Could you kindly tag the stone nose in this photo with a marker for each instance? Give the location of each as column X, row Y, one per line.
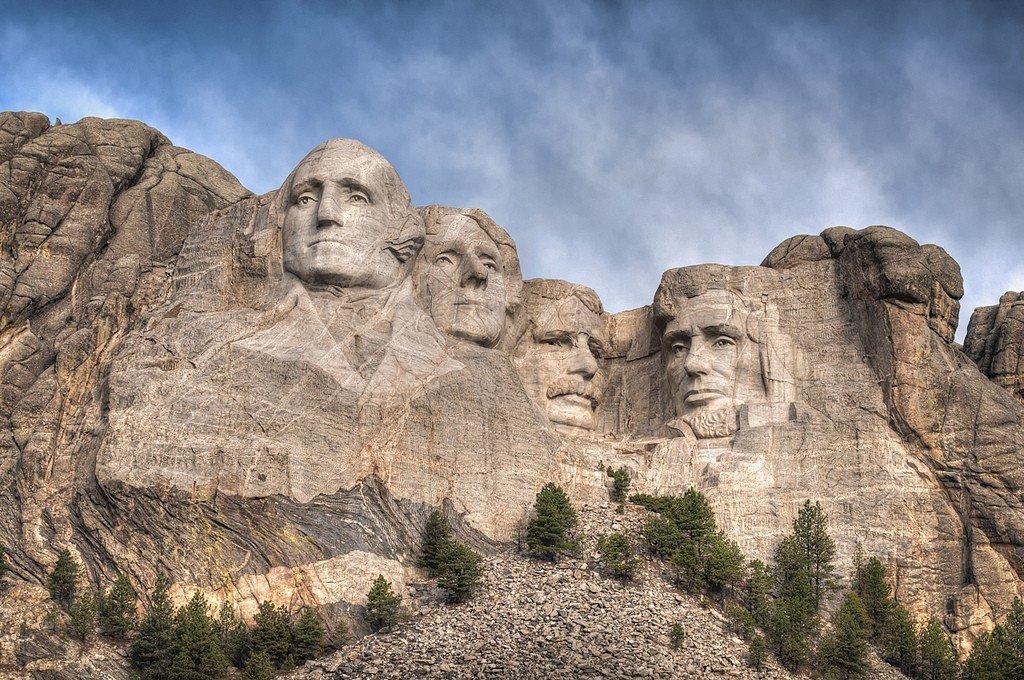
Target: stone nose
column 582, row 361
column 696, row 363
column 474, row 274
column 331, row 210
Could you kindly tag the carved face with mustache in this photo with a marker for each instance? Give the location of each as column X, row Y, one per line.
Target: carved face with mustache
column 557, row 356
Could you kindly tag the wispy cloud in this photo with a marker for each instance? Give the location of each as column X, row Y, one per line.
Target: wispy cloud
column 612, row 140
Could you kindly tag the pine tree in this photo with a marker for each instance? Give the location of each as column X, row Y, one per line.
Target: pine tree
column 662, row 537
column 259, row 667
column 870, row 585
column 3, row 561
column 83, row 616
column 810, row 531
column 757, row 590
column 999, row 655
column 197, row 652
column 616, row 554
column 758, row 652
column 233, row 635
column 382, row 604
column 436, row 533
column 842, row 655
column 677, row 634
column 150, row 652
column 271, row 632
column 936, row 660
column 117, row 614
column 620, row 484
column 723, row 565
column 308, row 636
column 897, row 643
column 62, row 582
column 791, row 622
column 546, row 534
column 460, row 570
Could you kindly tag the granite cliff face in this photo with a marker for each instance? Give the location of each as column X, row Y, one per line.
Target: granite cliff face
column 266, row 396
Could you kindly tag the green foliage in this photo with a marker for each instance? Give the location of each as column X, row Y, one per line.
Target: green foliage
column 83, row 616
column 897, row 643
column 936, row 659
column 62, row 582
column 842, row 654
column 436, row 533
column 616, row 554
column 337, row 637
column 117, row 614
column 620, row 484
column 150, row 652
column 658, row 504
column 233, row 635
column 271, row 632
column 382, row 604
column 741, row 622
column 818, row 550
column 661, row 536
column 3, row 561
column 758, row 652
column 460, row 570
column 790, row 623
column 999, row 655
column 197, row 654
column 757, row 590
column 547, row 532
column 258, row 667
column 308, row 636
column 677, row 634
column 723, row 564
column 870, row 585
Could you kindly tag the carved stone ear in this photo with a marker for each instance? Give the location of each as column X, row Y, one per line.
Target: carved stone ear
column 404, row 250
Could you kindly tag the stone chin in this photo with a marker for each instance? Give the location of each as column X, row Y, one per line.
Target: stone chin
column 714, row 421
column 571, row 413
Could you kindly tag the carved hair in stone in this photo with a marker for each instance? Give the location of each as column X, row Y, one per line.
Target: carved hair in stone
column 561, row 339
column 347, row 219
column 715, row 349
column 469, row 275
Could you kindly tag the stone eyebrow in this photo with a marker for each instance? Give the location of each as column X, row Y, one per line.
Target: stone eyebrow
column 305, row 185
column 356, row 185
column 727, row 329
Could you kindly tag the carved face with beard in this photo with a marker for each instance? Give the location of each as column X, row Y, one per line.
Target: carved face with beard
column 557, row 354
column 710, row 362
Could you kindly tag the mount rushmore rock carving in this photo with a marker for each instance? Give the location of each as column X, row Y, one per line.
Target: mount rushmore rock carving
column 266, row 396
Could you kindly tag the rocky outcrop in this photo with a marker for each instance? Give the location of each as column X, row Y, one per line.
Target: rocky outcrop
column 993, row 340
column 265, row 397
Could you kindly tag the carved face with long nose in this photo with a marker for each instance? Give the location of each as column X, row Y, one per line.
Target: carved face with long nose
column 465, row 281
column 557, row 356
column 708, row 349
column 343, row 219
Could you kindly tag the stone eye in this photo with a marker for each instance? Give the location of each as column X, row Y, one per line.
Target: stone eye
column 306, row 199
column 490, row 265
column 443, row 259
column 723, row 342
column 358, row 198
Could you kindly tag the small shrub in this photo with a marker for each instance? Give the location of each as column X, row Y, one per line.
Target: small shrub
column 616, row 554
column 741, row 621
column 83, row 616
column 382, row 604
column 547, row 532
column 677, row 634
column 259, row 667
column 620, row 484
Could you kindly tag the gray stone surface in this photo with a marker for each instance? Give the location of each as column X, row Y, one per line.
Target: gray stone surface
column 266, row 396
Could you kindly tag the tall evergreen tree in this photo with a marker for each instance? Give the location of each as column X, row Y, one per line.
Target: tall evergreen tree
column 547, row 532
column 791, row 622
column 117, row 613
column 620, row 484
column 308, row 636
column 999, row 655
column 723, row 564
column 460, row 570
column 810, row 531
column 271, row 632
column 83, row 616
column 936, row 659
column 897, row 643
column 870, row 585
column 197, row 654
column 382, row 604
column 233, row 635
column 150, row 652
column 842, row 654
column 436, row 533
column 259, row 667
column 63, row 580
column 757, row 590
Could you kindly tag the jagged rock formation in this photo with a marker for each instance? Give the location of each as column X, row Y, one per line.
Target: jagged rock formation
column 993, row 341
column 266, row 396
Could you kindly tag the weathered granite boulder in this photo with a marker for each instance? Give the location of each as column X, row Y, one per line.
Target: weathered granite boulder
column 265, row 397
column 994, row 338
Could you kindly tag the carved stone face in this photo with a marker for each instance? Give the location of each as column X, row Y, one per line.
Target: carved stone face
column 557, row 361
column 710, row 361
column 337, row 220
column 466, row 281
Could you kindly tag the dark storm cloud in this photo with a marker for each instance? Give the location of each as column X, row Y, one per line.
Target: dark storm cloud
column 613, row 140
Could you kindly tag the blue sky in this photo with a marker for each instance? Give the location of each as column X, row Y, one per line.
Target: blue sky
column 612, row 140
